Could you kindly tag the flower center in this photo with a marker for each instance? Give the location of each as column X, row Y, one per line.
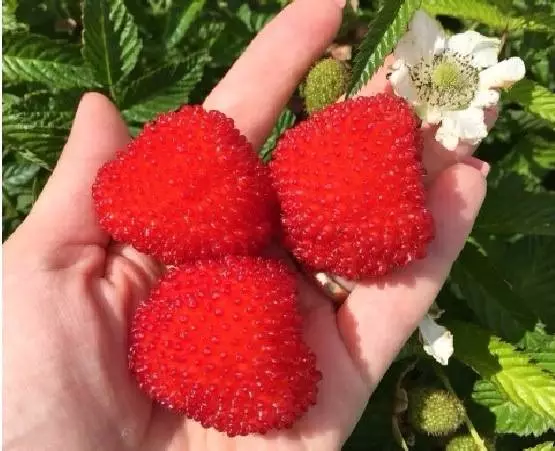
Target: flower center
column 448, row 82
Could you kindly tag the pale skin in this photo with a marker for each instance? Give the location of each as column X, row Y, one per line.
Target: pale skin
column 69, row 291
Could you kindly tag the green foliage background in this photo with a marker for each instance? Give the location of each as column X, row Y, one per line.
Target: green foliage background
column 153, row 55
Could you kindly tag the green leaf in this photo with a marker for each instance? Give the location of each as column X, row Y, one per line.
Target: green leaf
column 384, row 32
column 543, row 153
column 9, row 19
column 532, row 157
column 542, row 352
column 533, row 97
column 285, row 121
column 485, row 12
column 179, row 19
column 163, row 89
column 63, row 101
column 39, row 136
column 9, row 101
column 510, row 417
column 16, row 175
column 510, row 371
column 254, row 20
column 546, row 446
column 111, row 43
column 509, row 209
column 491, row 296
column 34, row 58
column 540, row 347
column 529, row 265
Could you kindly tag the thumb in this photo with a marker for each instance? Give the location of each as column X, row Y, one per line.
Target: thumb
column 64, row 213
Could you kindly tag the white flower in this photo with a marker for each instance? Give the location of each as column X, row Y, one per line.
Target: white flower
column 450, row 80
column 438, row 341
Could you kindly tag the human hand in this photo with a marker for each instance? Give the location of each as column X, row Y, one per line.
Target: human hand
column 69, row 292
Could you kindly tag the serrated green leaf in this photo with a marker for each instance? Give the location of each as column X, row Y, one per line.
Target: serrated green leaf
column 543, row 354
column 546, row 446
column 111, row 43
column 529, row 265
column 179, row 19
column 286, row 120
column 384, row 32
column 509, row 209
column 16, row 175
column 511, row 371
column 39, row 136
column 485, row 12
column 9, row 19
column 543, row 153
column 254, row 20
column 510, row 417
column 533, row 97
column 491, row 296
column 34, row 58
column 532, row 157
column 63, row 101
column 163, row 89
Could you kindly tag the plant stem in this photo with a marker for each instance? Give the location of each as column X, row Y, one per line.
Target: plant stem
column 473, row 432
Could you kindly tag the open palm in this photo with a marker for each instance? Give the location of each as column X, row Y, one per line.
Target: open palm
column 69, row 292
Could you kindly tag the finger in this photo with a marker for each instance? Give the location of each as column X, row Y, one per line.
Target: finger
column 64, row 212
column 260, row 83
column 377, row 319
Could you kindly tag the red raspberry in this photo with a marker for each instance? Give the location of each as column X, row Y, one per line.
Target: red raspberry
column 221, row 342
column 349, row 180
column 189, row 186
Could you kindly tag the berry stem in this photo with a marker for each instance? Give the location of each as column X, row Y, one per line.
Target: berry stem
column 473, row 432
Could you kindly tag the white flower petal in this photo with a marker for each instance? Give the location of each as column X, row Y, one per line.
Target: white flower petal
column 485, row 98
column 483, row 50
column 503, row 74
column 423, row 39
column 397, row 64
column 402, row 84
column 447, row 137
column 429, row 114
column 466, row 125
column 437, row 340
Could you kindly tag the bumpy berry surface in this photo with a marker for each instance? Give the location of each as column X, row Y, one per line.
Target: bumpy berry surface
column 325, row 83
column 189, row 186
column 462, row 443
column 467, row 443
column 435, row 412
column 349, row 181
column 221, row 342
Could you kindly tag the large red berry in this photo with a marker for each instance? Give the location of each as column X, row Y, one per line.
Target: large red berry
column 189, row 186
column 221, row 342
column 349, row 180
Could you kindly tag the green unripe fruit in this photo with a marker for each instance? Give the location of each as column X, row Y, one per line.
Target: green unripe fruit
column 466, row 443
column 462, row 443
column 325, row 83
column 435, row 412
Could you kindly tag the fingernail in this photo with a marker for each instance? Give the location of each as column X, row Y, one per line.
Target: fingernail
column 341, row 3
column 476, row 163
